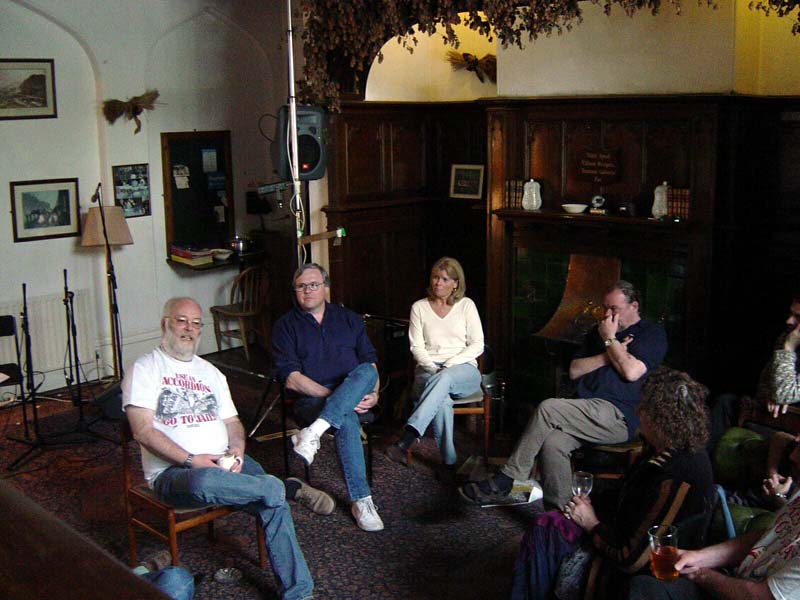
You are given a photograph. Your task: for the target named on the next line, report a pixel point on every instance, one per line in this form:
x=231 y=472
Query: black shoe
x=446 y=474
x=397 y=454
x=485 y=492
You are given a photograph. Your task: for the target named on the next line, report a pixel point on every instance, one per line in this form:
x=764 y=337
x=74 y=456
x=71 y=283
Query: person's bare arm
x=297 y=382
x=581 y=366
x=236 y=441
x=725 y=554
x=625 y=363
x=730 y=588
x=141 y=422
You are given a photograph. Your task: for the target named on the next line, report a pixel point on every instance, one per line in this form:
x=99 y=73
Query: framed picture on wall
x=132 y=189
x=466 y=181
x=27 y=88
x=45 y=209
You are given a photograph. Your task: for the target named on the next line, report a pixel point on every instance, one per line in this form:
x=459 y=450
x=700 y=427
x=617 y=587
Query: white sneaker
x=306 y=444
x=366 y=515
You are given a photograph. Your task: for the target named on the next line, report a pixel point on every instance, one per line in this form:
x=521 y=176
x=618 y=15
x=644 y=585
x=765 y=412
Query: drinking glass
x=582 y=483
x=663 y=551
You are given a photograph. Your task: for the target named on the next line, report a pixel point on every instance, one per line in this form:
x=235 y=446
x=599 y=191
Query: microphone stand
x=116 y=329
x=76 y=391
x=39 y=442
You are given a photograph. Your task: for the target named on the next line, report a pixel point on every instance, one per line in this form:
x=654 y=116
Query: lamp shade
x=116 y=225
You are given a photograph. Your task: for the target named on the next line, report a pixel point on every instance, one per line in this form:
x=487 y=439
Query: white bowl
x=221 y=254
x=574 y=208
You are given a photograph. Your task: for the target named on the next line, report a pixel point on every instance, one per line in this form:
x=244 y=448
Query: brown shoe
x=313 y=499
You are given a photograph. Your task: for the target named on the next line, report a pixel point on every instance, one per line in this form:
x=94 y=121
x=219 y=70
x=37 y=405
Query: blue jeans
x=435 y=403
x=337 y=409
x=175 y=582
x=257 y=494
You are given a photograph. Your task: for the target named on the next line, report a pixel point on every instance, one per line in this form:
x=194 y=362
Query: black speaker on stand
x=312 y=155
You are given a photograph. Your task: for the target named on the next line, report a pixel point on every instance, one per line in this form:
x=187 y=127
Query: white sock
x=319 y=427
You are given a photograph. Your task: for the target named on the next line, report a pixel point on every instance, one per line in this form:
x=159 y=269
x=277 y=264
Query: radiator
x=48 y=328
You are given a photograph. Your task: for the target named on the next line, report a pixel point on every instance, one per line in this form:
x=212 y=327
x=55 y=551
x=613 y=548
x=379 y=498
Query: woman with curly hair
x=671 y=482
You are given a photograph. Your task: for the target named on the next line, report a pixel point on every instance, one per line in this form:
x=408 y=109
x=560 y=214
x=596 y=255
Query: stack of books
x=193 y=257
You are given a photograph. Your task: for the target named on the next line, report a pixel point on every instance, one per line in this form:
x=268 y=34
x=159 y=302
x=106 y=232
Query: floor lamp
x=106 y=226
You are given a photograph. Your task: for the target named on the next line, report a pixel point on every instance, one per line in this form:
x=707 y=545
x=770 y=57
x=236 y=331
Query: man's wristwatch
x=609 y=341
x=188 y=462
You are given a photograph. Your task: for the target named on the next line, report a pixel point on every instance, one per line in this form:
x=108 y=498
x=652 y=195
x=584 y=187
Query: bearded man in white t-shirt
x=193 y=445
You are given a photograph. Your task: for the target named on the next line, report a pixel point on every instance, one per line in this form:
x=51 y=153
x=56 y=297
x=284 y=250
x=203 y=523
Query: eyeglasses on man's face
x=312 y=286
x=184 y=321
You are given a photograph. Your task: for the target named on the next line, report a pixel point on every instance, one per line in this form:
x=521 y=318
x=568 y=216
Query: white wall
x=645 y=54
x=217 y=65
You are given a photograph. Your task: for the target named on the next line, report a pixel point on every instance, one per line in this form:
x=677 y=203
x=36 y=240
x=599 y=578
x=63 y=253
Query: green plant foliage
x=343 y=37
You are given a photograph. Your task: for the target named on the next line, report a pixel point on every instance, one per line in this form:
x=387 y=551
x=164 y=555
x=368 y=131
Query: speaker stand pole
x=296 y=203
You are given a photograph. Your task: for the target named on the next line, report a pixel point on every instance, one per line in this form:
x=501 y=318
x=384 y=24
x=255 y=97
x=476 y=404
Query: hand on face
x=608 y=327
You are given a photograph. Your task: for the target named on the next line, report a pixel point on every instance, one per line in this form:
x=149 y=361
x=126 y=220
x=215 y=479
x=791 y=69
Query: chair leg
x=285 y=438
x=133 y=554
x=262 y=546
x=487 y=422
x=173 y=539
x=217 y=333
x=243 y=331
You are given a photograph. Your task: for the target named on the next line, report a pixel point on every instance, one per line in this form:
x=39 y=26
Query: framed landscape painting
x=27 y=88
x=45 y=209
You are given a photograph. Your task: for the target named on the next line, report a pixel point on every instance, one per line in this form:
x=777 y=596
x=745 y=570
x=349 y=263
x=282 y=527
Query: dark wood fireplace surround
x=729 y=269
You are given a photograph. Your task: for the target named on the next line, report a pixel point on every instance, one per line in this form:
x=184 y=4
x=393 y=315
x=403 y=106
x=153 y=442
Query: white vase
x=660 y=208
x=531 y=195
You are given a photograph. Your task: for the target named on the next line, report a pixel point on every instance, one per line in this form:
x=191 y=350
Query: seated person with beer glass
x=765 y=564
x=672 y=480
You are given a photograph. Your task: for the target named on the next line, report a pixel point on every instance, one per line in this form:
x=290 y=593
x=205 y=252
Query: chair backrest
x=250 y=288
x=8 y=326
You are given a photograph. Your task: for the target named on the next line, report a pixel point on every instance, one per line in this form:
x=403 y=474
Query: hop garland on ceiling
x=345 y=37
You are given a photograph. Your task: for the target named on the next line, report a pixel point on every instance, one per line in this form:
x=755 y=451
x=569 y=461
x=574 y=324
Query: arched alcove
x=425 y=75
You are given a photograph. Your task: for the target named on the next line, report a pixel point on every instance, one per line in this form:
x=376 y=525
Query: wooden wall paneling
x=364 y=148
x=580 y=136
x=668 y=148
x=544 y=159
x=624 y=139
x=407 y=156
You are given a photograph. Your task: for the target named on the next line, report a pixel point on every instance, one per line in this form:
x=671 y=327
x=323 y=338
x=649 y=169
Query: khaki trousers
x=557 y=428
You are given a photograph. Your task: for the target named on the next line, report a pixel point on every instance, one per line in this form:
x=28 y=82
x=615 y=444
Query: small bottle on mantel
x=660 y=201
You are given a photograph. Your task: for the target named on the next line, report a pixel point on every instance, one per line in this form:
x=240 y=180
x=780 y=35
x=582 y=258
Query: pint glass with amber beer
x=663 y=551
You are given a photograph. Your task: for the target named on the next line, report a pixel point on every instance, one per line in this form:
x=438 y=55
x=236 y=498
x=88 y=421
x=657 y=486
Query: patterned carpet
x=434 y=546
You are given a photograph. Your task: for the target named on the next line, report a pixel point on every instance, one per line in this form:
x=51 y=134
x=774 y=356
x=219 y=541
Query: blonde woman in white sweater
x=446 y=338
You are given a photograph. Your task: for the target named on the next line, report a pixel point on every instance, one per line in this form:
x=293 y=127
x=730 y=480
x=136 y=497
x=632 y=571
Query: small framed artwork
x=45 y=209
x=27 y=88
x=132 y=189
x=466 y=181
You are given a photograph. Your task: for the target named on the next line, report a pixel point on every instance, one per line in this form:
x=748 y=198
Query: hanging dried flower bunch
x=484 y=68
x=131 y=108
x=343 y=38
x=781 y=8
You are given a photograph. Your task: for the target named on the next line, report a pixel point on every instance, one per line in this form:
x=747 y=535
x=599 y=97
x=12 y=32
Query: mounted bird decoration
x=483 y=67
x=132 y=108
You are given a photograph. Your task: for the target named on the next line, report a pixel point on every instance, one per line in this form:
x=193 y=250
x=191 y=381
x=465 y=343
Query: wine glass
x=582 y=483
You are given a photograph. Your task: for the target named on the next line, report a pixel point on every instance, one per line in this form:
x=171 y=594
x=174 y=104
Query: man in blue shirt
x=325 y=360
x=609 y=370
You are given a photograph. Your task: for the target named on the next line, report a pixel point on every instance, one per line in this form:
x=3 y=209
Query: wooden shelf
x=233 y=261
x=545 y=216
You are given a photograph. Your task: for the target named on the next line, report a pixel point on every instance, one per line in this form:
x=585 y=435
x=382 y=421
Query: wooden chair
x=248 y=302
x=163 y=520
x=607 y=461
x=480 y=402
x=477 y=403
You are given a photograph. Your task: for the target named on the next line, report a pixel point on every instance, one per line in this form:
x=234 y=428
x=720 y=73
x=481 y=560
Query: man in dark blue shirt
x=609 y=369
x=324 y=358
